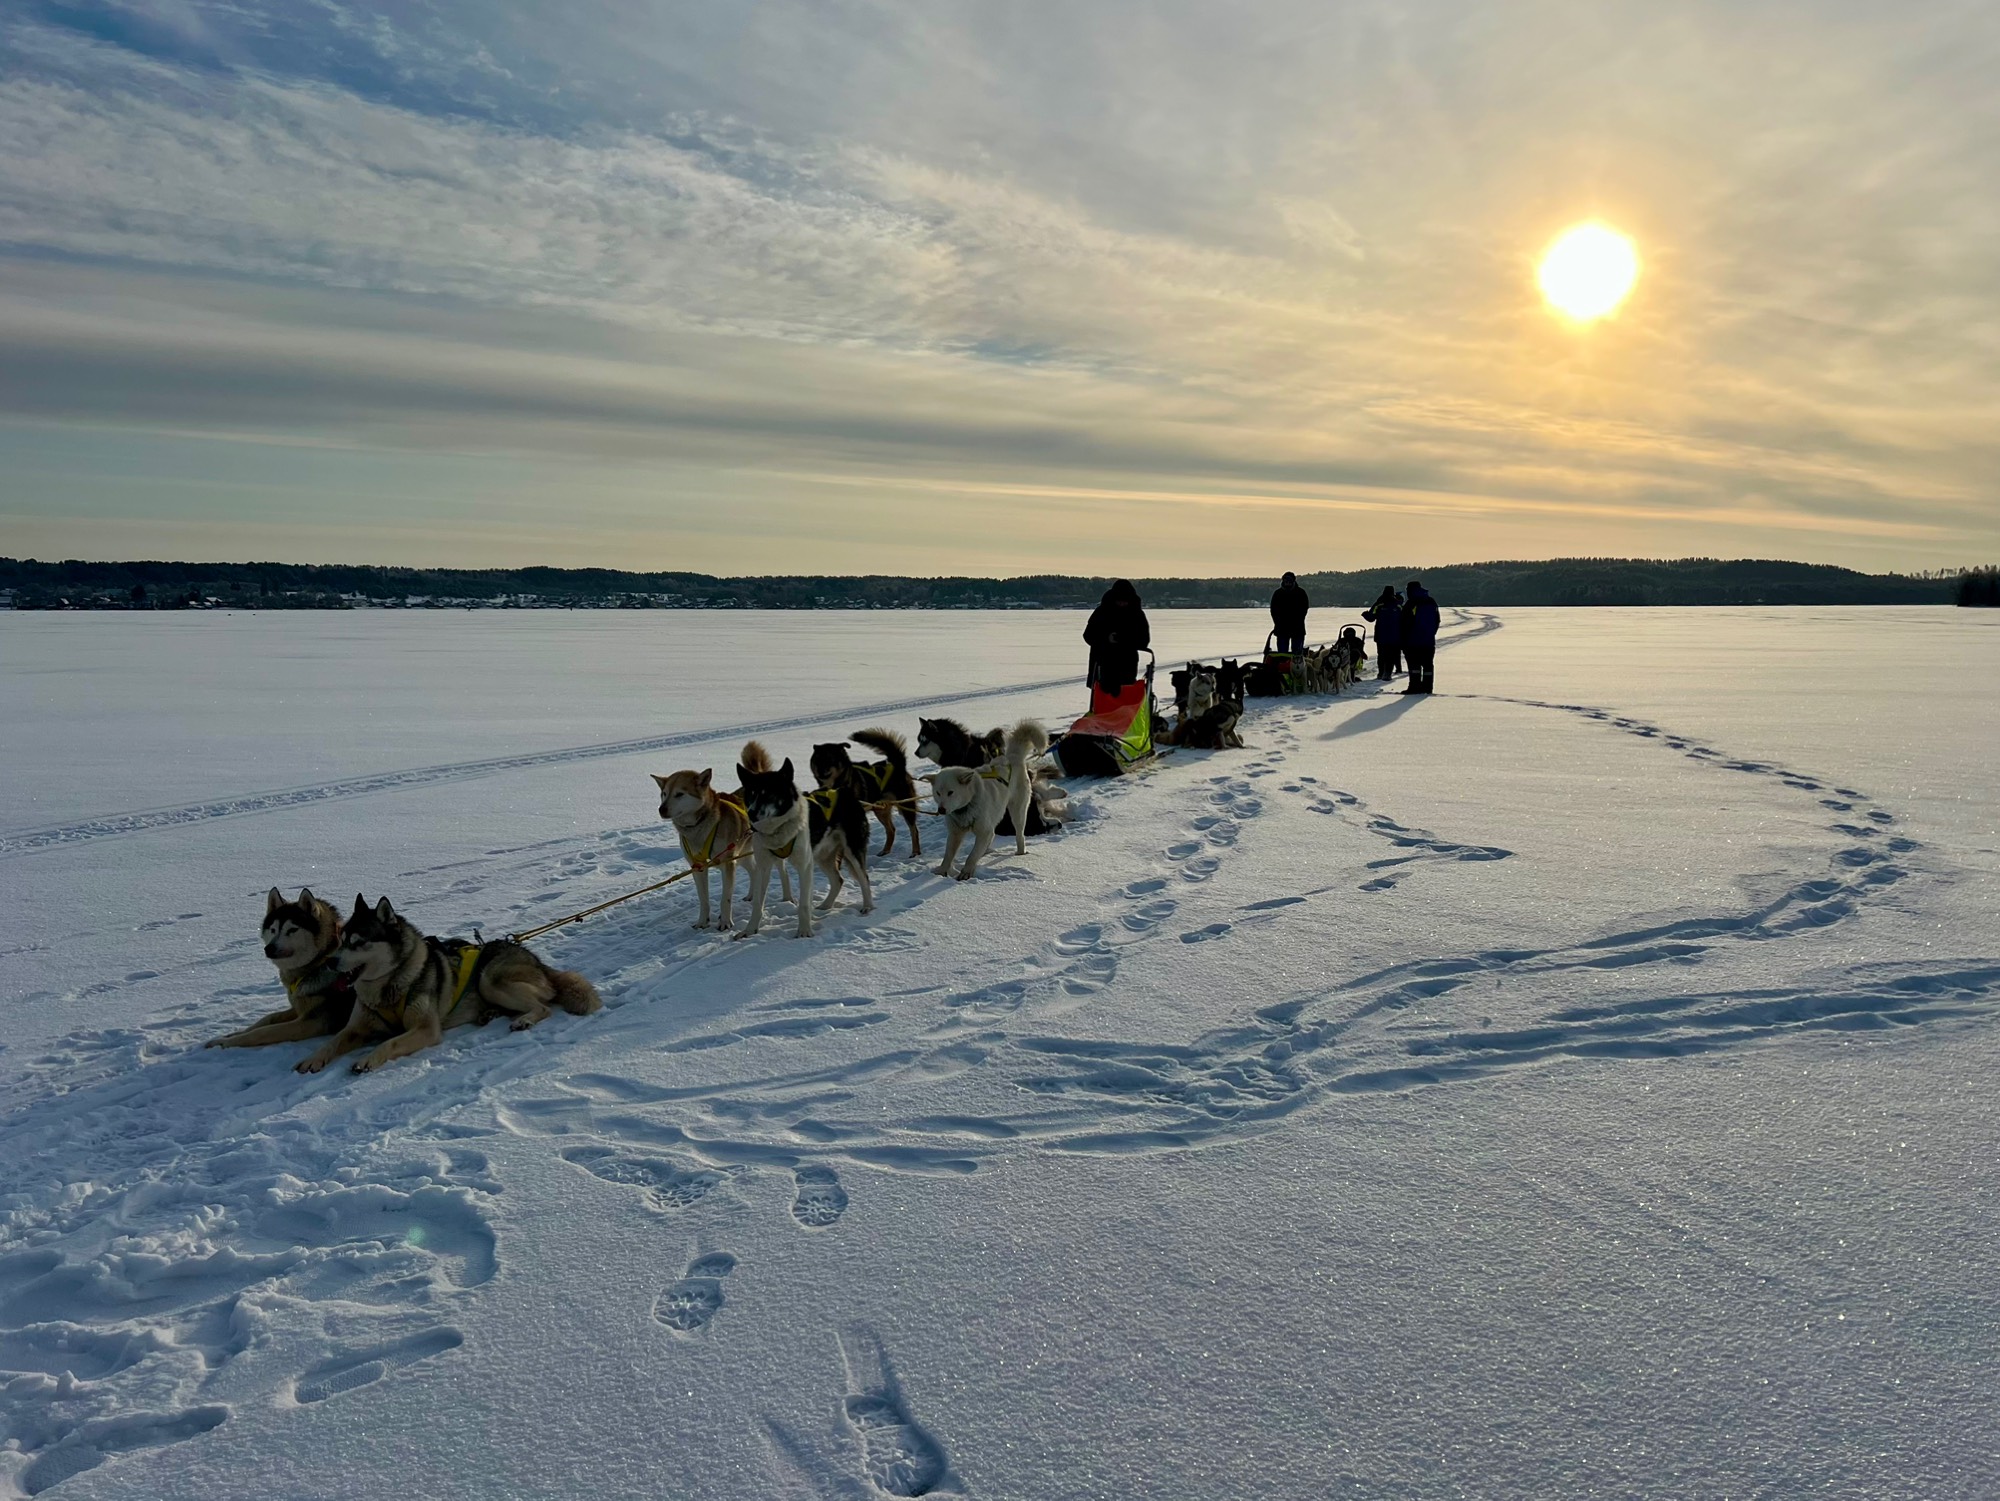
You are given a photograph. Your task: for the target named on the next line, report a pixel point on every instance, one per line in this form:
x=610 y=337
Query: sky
x=927 y=286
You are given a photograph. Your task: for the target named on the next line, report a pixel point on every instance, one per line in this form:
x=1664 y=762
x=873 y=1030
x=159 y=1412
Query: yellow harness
x=708 y=858
x=468 y=961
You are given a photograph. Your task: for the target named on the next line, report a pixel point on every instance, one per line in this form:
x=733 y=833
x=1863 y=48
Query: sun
x=1588 y=271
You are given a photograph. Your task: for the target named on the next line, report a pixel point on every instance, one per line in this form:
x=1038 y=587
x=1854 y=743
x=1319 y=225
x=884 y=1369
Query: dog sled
x=1279 y=675
x=1115 y=736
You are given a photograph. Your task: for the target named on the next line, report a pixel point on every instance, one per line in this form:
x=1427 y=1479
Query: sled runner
x=1115 y=735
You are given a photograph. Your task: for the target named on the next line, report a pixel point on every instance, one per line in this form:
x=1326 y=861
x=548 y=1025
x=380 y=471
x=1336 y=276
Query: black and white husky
x=973 y=800
x=827 y=828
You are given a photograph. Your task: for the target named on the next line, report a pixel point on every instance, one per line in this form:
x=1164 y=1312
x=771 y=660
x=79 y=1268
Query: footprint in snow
x=1080 y=940
x=898 y=1455
x=819 y=1199
x=1145 y=919
x=359 y=1368
x=89 y=1446
x=686 y=1306
x=667 y=1184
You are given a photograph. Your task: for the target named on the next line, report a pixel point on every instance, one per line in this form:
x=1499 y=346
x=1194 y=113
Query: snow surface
x=1577 y=1084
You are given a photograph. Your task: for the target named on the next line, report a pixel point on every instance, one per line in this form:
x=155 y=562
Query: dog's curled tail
x=755 y=758
x=1026 y=739
x=575 y=994
x=887 y=743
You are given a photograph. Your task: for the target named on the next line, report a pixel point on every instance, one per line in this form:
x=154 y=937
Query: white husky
x=974 y=800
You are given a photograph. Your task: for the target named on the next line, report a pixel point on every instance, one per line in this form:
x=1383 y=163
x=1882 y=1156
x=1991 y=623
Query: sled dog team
x=985 y=786
x=374 y=980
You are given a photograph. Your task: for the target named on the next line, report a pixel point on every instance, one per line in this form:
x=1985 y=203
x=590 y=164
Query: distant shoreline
x=1558 y=582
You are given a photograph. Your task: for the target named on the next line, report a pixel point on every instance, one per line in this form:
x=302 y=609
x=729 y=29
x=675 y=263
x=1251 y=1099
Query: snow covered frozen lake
x=1578 y=1084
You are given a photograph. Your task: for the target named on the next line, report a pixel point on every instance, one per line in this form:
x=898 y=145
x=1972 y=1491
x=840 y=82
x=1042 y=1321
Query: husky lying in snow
x=876 y=784
x=299 y=938
x=410 y=989
x=974 y=801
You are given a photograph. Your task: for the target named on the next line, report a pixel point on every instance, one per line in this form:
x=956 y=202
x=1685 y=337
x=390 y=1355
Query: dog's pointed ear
x=742 y=773
x=273 y=901
x=360 y=904
x=707 y=777
x=384 y=912
x=786 y=770
x=306 y=898
x=660 y=779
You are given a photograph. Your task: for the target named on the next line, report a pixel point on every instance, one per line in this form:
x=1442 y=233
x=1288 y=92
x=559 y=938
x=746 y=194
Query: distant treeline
x=1980 y=586
x=26 y=584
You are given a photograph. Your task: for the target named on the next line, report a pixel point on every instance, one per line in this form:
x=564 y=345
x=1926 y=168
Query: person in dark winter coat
x=1117 y=633
x=1387 y=613
x=1420 y=636
x=1288 y=615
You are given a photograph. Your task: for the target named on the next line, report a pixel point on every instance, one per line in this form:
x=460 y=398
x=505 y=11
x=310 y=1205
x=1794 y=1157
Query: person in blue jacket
x=1420 y=636
x=1387 y=613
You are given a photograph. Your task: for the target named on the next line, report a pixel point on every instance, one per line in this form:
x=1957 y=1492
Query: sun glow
x=1588 y=271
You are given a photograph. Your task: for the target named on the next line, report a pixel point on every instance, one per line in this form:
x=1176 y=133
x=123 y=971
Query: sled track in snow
x=116 y=825
x=113 y=825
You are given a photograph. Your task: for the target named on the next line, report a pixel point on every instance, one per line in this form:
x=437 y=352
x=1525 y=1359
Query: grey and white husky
x=409 y=989
x=299 y=938
x=973 y=800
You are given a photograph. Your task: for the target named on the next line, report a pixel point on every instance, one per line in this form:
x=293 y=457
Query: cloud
x=1276 y=258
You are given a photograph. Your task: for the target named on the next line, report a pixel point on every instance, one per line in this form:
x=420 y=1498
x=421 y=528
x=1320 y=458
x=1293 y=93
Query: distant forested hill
x=1559 y=581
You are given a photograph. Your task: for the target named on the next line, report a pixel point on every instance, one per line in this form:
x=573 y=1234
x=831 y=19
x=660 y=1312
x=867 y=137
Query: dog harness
x=823 y=799
x=343 y=983
x=461 y=962
x=708 y=858
x=468 y=963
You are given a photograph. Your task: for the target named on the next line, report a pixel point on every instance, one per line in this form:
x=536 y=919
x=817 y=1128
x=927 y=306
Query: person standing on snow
x=1118 y=631
x=1387 y=613
x=1420 y=635
x=1288 y=615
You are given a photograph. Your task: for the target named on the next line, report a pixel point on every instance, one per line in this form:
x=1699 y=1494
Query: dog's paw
x=365 y=1066
x=521 y=1023
x=310 y=1065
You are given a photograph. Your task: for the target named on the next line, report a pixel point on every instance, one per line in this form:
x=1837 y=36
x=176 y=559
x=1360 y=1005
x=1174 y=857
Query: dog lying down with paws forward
x=409 y=989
